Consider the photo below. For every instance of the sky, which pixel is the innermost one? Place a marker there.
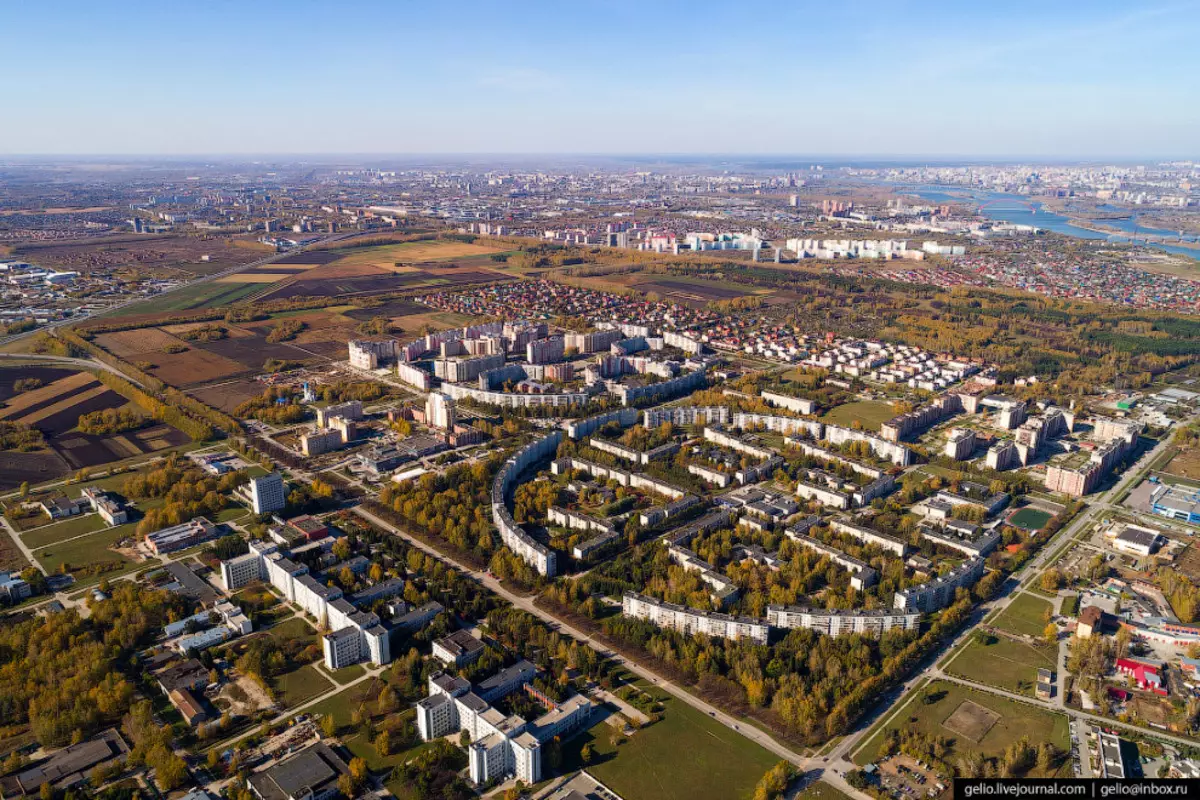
(1074, 80)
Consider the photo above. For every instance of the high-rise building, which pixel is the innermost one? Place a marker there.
(439, 411)
(267, 493)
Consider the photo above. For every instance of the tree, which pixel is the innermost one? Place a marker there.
(24, 490)
(383, 743)
(341, 548)
(1050, 634)
(586, 753)
(1051, 580)
(329, 725)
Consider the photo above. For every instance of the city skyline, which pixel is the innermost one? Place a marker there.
(885, 81)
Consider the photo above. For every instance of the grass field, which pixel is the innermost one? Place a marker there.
(59, 531)
(294, 628)
(870, 413)
(86, 550)
(1031, 519)
(1016, 720)
(198, 295)
(1024, 615)
(1005, 663)
(295, 687)
(683, 757)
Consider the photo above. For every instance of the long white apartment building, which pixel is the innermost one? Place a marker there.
(689, 621)
(801, 405)
(533, 552)
(357, 635)
(500, 745)
(868, 536)
(843, 622)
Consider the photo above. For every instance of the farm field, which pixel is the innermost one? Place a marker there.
(1003, 662)
(928, 710)
(54, 409)
(415, 252)
(870, 413)
(685, 756)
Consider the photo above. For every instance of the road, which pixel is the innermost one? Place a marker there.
(85, 363)
(526, 604)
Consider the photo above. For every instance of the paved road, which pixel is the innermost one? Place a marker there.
(86, 363)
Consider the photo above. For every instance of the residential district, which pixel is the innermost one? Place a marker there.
(443, 483)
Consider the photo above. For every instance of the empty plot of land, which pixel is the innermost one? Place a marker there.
(971, 720)
(1186, 464)
(1025, 614)
(695, 289)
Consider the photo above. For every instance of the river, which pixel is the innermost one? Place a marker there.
(1011, 208)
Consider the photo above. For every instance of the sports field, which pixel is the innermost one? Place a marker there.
(1000, 722)
(1031, 519)
(870, 413)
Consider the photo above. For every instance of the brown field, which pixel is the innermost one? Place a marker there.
(971, 721)
(194, 367)
(17, 405)
(227, 395)
(386, 256)
(124, 344)
(66, 402)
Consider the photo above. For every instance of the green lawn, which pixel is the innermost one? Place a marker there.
(871, 413)
(86, 550)
(684, 757)
(1024, 615)
(209, 294)
(1016, 720)
(230, 514)
(1005, 663)
(345, 674)
(295, 687)
(294, 628)
(59, 531)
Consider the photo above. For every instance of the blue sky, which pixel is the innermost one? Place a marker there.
(1063, 79)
